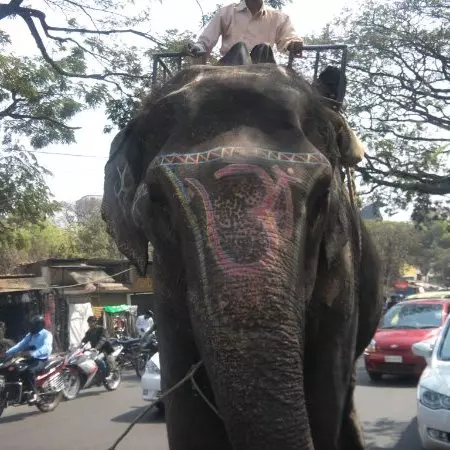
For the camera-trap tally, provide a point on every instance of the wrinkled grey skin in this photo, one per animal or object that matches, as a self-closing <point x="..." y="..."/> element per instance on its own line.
<point x="274" y="286"/>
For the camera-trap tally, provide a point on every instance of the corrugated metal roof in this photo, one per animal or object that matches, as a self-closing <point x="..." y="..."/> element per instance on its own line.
<point x="17" y="284"/>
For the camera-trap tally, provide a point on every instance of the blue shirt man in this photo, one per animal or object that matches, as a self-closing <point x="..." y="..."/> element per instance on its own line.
<point x="42" y="341"/>
<point x="38" y="345"/>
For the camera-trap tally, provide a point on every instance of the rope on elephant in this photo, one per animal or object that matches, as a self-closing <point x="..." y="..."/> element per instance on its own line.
<point x="351" y="185"/>
<point x="189" y="375"/>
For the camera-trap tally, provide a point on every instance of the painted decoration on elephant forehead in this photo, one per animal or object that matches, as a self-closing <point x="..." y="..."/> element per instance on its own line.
<point x="238" y="152"/>
<point x="271" y="214"/>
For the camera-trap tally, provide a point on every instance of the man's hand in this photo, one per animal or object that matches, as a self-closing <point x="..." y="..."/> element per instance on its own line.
<point x="195" y="49"/>
<point x="295" y="47"/>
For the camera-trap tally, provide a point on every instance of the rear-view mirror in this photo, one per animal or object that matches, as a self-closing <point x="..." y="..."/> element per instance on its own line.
<point x="423" y="349"/>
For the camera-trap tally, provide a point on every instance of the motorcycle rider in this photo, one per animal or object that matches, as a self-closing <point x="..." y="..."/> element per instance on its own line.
<point x="144" y="322"/>
<point x="38" y="346"/>
<point x="96" y="335"/>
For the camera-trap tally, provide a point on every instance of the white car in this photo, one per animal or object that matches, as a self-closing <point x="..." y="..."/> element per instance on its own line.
<point x="433" y="391"/>
<point x="151" y="381"/>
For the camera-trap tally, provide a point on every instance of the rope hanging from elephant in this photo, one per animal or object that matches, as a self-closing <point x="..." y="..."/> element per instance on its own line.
<point x="189" y="376"/>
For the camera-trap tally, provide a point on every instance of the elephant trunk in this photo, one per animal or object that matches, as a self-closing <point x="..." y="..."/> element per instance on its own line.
<point x="254" y="361"/>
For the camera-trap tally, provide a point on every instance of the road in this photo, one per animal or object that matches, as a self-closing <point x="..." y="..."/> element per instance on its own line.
<point x="387" y="412"/>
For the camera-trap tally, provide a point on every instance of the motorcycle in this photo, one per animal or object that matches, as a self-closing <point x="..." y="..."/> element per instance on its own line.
<point x="49" y="383"/>
<point x="131" y="351"/>
<point x="86" y="368"/>
<point x="148" y="347"/>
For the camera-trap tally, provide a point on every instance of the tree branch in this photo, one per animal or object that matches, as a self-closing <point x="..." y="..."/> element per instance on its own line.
<point x="43" y="118"/>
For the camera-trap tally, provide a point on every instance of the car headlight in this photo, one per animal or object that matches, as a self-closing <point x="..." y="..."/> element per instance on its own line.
<point x="151" y="367"/>
<point x="433" y="400"/>
<point x="372" y="346"/>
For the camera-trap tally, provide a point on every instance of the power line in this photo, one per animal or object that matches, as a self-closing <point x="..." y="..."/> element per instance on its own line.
<point x="66" y="154"/>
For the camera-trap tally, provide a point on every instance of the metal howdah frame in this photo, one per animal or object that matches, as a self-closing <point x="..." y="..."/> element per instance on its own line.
<point x="177" y="58"/>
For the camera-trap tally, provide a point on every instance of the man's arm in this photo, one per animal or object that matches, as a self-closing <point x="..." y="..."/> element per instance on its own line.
<point x="20" y="346"/>
<point x="286" y="33"/>
<point x="208" y="39"/>
<point x="86" y="337"/>
<point x="45" y="350"/>
<point x="102" y="338"/>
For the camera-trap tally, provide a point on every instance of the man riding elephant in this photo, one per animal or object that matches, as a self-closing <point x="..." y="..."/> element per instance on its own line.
<point x="252" y="24"/>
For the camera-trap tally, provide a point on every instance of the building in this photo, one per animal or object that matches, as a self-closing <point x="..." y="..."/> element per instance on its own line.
<point x="21" y="297"/>
<point x="89" y="285"/>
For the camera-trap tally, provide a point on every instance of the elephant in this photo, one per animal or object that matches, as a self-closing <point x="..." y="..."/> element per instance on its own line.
<point x="262" y="267"/>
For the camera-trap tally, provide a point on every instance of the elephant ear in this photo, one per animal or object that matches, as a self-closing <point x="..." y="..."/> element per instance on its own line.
<point x="336" y="251"/>
<point x="122" y="172"/>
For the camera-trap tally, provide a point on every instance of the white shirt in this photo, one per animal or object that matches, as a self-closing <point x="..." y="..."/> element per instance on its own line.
<point x="143" y="324"/>
<point x="236" y="23"/>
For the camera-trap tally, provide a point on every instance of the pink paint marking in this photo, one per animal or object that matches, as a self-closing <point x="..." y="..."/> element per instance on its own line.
<point x="264" y="213"/>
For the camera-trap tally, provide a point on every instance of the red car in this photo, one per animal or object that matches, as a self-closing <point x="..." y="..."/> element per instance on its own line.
<point x="404" y="324"/>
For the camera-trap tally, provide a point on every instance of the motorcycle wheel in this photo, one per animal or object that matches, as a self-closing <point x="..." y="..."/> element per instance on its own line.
<point x="141" y="362"/>
<point x="49" y="402"/>
<point x="72" y="384"/>
<point x="114" y="382"/>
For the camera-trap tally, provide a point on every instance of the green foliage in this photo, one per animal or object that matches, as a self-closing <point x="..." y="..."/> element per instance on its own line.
<point x="76" y="231"/>
<point x="120" y="111"/>
<point x="39" y="97"/>
<point x="83" y="219"/>
<point x="398" y="93"/>
<point x="24" y="195"/>
<point x="395" y="242"/>
<point x="35" y="242"/>
<point x="401" y="243"/>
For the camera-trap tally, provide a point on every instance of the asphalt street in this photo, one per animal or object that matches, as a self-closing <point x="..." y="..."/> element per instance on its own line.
<point x="92" y="421"/>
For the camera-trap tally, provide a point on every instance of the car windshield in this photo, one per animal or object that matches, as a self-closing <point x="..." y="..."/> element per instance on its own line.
<point x="413" y="316"/>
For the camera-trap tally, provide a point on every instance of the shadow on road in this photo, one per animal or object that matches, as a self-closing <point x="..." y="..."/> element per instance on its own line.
<point x="153" y="416"/>
<point x="18" y="417"/>
<point x="388" y="381"/>
<point x="402" y="435"/>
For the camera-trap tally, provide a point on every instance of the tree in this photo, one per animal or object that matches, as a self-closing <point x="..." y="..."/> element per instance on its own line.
<point x="40" y="96"/>
<point x="395" y="242"/>
<point x="33" y="243"/>
<point x="432" y="249"/>
<point x="83" y="220"/>
<point x="398" y="93"/>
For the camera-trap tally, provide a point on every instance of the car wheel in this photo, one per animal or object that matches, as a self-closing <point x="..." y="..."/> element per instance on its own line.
<point x="375" y="376"/>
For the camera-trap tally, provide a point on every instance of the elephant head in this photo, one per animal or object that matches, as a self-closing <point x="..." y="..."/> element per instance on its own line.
<point x="233" y="174"/>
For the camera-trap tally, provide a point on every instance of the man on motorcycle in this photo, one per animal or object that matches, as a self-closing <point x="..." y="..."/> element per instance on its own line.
<point x="253" y="25"/>
<point x="37" y="345"/>
<point x="96" y="335"/>
<point x="144" y="323"/>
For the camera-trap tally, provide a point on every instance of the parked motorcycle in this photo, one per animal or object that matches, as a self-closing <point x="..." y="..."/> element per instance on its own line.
<point x="86" y="368"/>
<point x="148" y="347"/>
<point x="14" y="391"/>
<point x="131" y="351"/>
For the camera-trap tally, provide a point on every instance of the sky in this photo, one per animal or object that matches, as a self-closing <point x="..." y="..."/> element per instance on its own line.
<point x="76" y="176"/>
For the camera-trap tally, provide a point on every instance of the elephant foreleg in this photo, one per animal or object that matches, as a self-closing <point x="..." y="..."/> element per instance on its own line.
<point x="351" y="437"/>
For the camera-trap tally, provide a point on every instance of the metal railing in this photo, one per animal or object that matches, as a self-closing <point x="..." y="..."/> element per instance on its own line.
<point x="177" y="58"/>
